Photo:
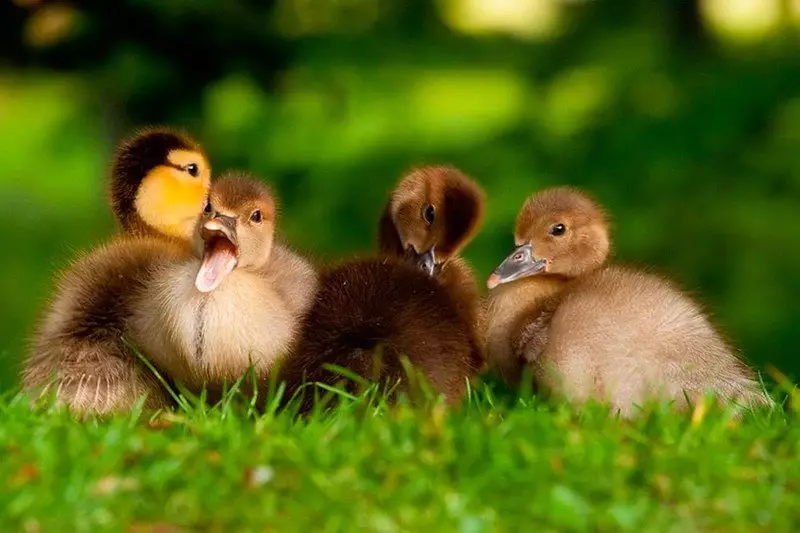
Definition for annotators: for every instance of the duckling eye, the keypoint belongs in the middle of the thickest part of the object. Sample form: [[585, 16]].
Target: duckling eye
[[256, 216], [192, 169], [428, 214], [207, 208], [558, 230]]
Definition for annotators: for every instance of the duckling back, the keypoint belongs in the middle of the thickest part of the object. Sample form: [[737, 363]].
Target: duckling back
[[78, 349], [630, 337], [368, 314]]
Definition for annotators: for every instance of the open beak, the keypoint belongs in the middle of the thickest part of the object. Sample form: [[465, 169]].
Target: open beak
[[425, 261], [221, 226], [220, 252], [519, 264]]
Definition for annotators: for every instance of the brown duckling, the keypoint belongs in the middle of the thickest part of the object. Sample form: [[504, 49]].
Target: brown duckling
[[370, 313], [237, 301], [420, 301], [431, 215], [158, 183], [588, 330]]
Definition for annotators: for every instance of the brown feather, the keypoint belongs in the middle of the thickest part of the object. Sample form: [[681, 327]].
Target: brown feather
[[383, 308], [78, 348]]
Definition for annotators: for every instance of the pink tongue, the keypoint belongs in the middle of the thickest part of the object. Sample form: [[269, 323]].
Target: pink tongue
[[218, 262]]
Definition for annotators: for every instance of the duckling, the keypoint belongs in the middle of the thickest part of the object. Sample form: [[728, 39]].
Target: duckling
[[431, 215], [237, 301], [418, 301], [367, 315], [589, 330], [159, 183]]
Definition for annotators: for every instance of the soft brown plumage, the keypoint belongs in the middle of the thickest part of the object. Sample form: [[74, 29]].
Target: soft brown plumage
[[158, 181], [603, 332], [420, 301], [368, 314], [78, 350], [431, 215], [237, 301]]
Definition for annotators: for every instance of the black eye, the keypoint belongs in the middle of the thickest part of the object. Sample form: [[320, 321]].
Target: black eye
[[428, 214], [192, 169], [207, 208], [256, 216], [558, 229]]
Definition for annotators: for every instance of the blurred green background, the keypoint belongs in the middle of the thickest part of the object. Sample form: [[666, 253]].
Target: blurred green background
[[682, 116]]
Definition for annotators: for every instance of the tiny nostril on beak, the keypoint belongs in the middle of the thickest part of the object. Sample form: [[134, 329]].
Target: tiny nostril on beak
[[213, 225]]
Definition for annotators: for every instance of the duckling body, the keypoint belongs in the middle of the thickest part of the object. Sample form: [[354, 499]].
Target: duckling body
[[609, 333], [202, 339], [206, 332], [79, 349], [630, 337], [368, 314]]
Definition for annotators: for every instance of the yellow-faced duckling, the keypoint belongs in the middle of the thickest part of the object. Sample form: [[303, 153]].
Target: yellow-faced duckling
[[431, 215], [237, 302], [158, 183], [608, 333]]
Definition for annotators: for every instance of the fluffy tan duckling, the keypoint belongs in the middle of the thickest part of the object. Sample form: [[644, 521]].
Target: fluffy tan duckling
[[431, 215], [157, 186], [238, 301], [159, 183], [604, 332]]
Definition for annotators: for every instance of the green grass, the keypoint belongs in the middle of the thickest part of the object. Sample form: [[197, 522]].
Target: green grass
[[496, 464]]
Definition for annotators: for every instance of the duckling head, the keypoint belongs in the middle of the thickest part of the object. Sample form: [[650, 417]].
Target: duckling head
[[559, 232], [159, 182], [235, 231], [431, 215]]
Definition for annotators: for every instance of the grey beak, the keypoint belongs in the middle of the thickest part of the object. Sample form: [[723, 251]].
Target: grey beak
[[427, 262], [519, 264], [220, 225]]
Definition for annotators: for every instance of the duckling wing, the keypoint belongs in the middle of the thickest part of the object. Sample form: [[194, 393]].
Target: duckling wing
[[78, 352], [630, 337]]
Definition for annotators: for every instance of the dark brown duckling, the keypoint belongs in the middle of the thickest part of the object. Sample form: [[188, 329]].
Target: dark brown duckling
[[431, 215], [159, 183], [236, 302], [609, 333], [78, 353], [419, 301], [367, 315]]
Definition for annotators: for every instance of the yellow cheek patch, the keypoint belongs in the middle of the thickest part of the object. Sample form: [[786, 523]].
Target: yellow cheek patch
[[170, 201], [184, 158]]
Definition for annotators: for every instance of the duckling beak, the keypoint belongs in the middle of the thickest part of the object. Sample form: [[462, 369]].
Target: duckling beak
[[220, 226], [519, 264], [220, 253], [425, 261]]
